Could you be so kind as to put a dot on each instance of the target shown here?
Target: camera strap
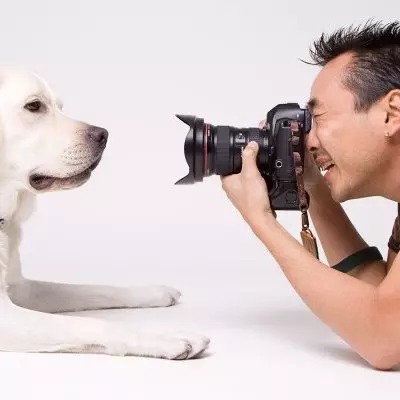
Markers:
(307, 237)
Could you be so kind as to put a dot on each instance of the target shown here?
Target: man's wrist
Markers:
(258, 221)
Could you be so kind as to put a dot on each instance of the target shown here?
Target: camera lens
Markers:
(217, 150)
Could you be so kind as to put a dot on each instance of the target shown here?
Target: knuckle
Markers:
(261, 123)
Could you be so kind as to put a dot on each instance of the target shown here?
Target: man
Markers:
(355, 106)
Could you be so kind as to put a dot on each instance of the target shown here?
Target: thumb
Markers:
(249, 160)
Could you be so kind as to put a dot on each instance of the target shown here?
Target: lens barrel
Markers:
(217, 150)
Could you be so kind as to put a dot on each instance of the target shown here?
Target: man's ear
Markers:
(392, 109)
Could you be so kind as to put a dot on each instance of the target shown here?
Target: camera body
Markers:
(280, 175)
(216, 150)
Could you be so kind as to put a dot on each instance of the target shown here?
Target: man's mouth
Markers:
(42, 182)
(323, 163)
(325, 167)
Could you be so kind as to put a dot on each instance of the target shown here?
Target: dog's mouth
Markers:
(42, 182)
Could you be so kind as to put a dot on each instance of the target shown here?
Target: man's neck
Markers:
(390, 179)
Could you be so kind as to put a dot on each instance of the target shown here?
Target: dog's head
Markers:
(41, 147)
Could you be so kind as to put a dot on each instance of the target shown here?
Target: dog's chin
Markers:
(42, 182)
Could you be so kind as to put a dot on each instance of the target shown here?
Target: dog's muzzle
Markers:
(96, 139)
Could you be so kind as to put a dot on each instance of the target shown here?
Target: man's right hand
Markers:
(313, 179)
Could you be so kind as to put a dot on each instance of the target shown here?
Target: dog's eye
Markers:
(34, 106)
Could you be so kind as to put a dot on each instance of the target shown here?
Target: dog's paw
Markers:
(198, 343)
(179, 347)
(154, 296)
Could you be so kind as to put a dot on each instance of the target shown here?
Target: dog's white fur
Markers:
(36, 137)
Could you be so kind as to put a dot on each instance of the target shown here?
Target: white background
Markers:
(130, 66)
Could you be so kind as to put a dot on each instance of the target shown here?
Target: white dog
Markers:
(41, 149)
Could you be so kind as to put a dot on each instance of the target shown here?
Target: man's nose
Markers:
(311, 140)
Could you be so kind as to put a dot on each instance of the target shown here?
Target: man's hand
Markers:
(313, 179)
(247, 190)
(312, 175)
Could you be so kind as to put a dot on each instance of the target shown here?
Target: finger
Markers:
(249, 160)
(261, 124)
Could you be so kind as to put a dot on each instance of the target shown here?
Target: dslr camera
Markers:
(217, 150)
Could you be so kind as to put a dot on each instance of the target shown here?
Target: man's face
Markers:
(353, 141)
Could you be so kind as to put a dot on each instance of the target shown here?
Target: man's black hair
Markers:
(375, 66)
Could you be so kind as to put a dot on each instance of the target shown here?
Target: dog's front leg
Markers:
(65, 297)
(23, 330)
(62, 297)
(26, 330)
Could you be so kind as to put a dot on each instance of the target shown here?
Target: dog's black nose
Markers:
(98, 135)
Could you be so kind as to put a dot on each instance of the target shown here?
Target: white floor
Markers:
(265, 345)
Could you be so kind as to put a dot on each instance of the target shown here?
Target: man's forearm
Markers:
(344, 303)
(337, 234)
